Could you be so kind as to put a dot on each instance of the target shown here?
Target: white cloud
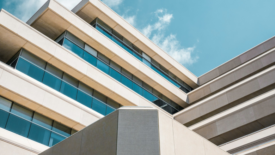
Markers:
(172, 46)
(170, 43)
(130, 19)
(112, 3)
(163, 21)
(24, 9)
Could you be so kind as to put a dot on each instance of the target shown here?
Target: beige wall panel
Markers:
(208, 131)
(211, 149)
(49, 25)
(9, 149)
(229, 65)
(166, 134)
(187, 142)
(10, 44)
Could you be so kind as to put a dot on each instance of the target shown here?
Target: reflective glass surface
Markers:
(99, 106)
(52, 81)
(126, 82)
(102, 66)
(55, 138)
(18, 125)
(68, 90)
(89, 58)
(116, 75)
(3, 118)
(74, 48)
(39, 134)
(29, 69)
(119, 42)
(84, 98)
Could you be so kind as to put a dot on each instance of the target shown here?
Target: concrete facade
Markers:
(230, 111)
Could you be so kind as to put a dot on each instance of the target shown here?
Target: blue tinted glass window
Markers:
(109, 110)
(99, 106)
(72, 47)
(137, 89)
(84, 98)
(170, 109)
(39, 134)
(146, 62)
(117, 42)
(126, 82)
(89, 58)
(68, 90)
(61, 129)
(30, 69)
(103, 67)
(104, 32)
(137, 56)
(55, 138)
(3, 118)
(18, 125)
(22, 112)
(52, 81)
(116, 75)
(127, 49)
(159, 102)
(42, 121)
(149, 96)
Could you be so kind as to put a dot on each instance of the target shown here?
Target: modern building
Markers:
(84, 81)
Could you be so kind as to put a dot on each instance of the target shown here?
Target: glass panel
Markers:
(103, 67)
(137, 89)
(84, 99)
(68, 90)
(53, 70)
(91, 50)
(159, 102)
(73, 131)
(51, 81)
(85, 88)
(60, 37)
(3, 118)
(5, 104)
(116, 75)
(137, 56)
(170, 109)
(75, 40)
(89, 58)
(127, 42)
(42, 120)
(99, 106)
(115, 66)
(146, 62)
(32, 58)
(104, 32)
(147, 87)
(39, 134)
(100, 96)
(109, 110)
(22, 112)
(105, 26)
(72, 47)
(30, 69)
(70, 80)
(137, 80)
(149, 96)
(117, 35)
(55, 138)
(18, 125)
(126, 82)
(103, 58)
(117, 42)
(126, 73)
(145, 56)
(112, 103)
(61, 129)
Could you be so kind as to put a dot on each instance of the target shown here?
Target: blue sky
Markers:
(200, 34)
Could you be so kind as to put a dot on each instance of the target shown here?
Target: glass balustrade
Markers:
(30, 124)
(62, 86)
(118, 41)
(116, 75)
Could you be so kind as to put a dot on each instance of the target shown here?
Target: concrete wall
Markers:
(245, 70)
(237, 61)
(236, 94)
